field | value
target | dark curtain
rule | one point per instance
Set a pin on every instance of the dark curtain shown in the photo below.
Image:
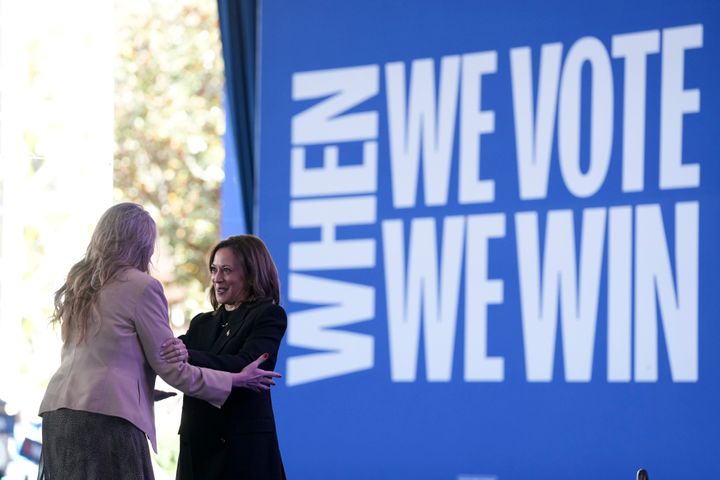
(237, 31)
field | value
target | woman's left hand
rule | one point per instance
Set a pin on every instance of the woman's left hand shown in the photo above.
(173, 350)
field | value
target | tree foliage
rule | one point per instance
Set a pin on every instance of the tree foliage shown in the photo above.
(168, 133)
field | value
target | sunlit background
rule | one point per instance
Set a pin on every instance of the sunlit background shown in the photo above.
(101, 102)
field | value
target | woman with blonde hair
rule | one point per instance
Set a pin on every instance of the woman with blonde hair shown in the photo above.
(98, 407)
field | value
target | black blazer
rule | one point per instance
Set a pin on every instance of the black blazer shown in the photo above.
(237, 441)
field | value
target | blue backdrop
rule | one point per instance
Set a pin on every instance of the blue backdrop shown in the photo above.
(495, 226)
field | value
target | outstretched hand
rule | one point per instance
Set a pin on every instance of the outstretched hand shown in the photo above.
(255, 378)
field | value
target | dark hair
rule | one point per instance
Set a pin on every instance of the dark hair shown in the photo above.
(258, 268)
(124, 237)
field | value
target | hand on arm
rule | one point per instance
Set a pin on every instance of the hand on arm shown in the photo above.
(173, 350)
(265, 337)
(152, 327)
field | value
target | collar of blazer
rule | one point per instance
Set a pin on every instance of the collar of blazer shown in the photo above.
(236, 319)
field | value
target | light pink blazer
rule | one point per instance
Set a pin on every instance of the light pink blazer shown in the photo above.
(113, 371)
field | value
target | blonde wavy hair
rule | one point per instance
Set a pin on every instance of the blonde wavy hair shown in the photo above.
(123, 238)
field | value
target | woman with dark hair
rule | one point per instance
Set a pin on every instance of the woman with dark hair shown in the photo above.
(98, 407)
(237, 441)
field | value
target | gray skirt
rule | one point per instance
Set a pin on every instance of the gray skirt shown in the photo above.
(78, 445)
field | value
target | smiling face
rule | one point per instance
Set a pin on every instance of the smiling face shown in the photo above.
(227, 279)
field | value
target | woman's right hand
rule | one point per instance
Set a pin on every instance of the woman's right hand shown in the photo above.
(173, 350)
(255, 378)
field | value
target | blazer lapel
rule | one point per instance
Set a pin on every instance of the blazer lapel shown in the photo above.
(233, 327)
(207, 334)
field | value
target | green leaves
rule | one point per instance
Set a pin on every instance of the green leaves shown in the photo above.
(168, 133)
